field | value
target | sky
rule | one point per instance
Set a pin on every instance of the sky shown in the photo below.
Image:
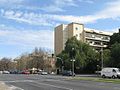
(26, 24)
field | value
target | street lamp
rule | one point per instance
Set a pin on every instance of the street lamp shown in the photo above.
(73, 60)
(102, 64)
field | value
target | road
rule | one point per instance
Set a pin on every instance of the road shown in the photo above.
(53, 82)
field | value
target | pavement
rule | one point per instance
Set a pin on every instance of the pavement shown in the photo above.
(51, 82)
(3, 86)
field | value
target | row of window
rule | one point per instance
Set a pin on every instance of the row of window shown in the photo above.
(96, 42)
(97, 36)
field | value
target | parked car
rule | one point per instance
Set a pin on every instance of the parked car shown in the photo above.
(1, 72)
(110, 72)
(68, 73)
(44, 73)
(13, 72)
(52, 73)
(6, 72)
(25, 72)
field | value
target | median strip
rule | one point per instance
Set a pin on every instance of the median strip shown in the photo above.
(96, 79)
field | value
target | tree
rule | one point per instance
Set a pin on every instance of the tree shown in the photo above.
(114, 46)
(37, 59)
(5, 64)
(64, 57)
(106, 57)
(115, 55)
(115, 38)
(84, 55)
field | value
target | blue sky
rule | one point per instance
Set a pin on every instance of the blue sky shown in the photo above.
(26, 24)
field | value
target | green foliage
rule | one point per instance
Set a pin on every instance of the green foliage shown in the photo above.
(106, 57)
(115, 55)
(115, 38)
(114, 50)
(83, 54)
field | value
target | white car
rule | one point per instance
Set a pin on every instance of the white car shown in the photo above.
(6, 72)
(44, 73)
(1, 72)
(110, 72)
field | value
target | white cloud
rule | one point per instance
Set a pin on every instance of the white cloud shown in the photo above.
(27, 38)
(11, 1)
(45, 19)
(58, 5)
(112, 11)
(87, 1)
(30, 18)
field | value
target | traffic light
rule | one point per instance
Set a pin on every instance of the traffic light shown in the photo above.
(52, 55)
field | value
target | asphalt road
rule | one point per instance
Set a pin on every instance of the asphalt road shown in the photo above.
(53, 82)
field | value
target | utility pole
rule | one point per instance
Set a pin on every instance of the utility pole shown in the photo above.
(73, 60)
(102, 64)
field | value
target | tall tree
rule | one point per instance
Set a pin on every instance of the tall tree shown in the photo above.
(5, 64)
(115, 38)
(115, 55)
(83, 54)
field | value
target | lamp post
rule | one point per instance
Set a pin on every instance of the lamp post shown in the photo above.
(102, 64)
(73, 60)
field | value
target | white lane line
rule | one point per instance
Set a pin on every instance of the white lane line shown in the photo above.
(14, 88)
(18, 81)
(37, 85)
(4, 86)
(53, 86)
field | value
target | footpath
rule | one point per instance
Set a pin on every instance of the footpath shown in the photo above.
(3, 86)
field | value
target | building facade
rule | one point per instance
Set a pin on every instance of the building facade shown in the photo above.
(95, 38)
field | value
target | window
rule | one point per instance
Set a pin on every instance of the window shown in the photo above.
(106, 38)
(97, 43)
(76, 28)
(114, 71)
(93, 36)
(91, 42)
(76, 35)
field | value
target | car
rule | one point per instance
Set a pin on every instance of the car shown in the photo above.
(1, 72)
(13, 72)
(52, 73)
(110, 72)
(44, 73)
(25, 72)
(6, 72)
(68, 73)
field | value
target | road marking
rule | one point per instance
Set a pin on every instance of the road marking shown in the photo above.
(19, 81)
(53, 86)
(14, 88)
(9, 87)
(116, 88)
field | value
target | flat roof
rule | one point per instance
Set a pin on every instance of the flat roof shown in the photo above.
(98, 31)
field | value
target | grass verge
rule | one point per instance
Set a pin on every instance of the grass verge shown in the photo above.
(97, 79)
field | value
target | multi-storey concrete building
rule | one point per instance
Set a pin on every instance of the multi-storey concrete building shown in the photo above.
(94, 38)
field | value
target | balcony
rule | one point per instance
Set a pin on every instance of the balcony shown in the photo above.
(98, 39)
(96, 45)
